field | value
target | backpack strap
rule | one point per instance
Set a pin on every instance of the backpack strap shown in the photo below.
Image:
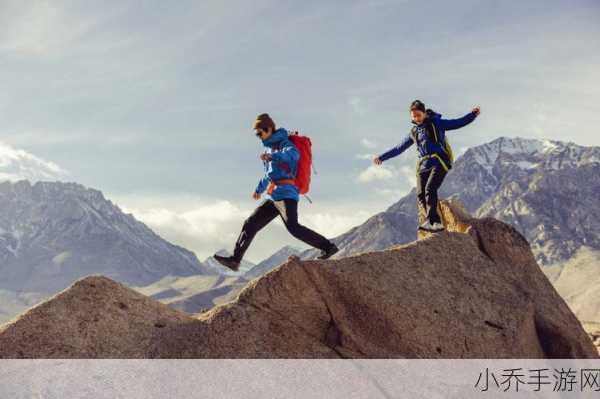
(430, 126)
(413, 134)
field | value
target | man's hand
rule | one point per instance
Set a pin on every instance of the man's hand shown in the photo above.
(477, 110)
(266, 157)
(377, 161)
(256, 196)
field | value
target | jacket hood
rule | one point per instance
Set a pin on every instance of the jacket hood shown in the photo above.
(277, 137)
(433, 115)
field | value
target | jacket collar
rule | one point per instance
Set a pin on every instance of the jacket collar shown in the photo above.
(276, 138)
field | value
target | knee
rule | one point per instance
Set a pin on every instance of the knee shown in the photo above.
(429, 191)
(293, 228)
(249, 224)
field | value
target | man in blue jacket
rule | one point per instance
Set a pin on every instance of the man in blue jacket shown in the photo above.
(280, 160)
(435, 158)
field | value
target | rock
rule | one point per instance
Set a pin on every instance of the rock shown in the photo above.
(453, 214)
(474, 291)
(593, 330)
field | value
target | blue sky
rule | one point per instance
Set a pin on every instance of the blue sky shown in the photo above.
(152, 101)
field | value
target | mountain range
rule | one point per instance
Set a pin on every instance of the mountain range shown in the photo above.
(52, 233)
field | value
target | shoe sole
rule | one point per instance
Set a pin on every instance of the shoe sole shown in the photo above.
(235, 269)
(329, 256)
(430, 230)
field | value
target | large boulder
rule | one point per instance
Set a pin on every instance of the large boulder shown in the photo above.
(474, 291)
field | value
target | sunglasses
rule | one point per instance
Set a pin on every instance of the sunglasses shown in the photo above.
(259, 133)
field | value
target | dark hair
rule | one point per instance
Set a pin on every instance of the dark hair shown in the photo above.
(417, 105)
(264, 122)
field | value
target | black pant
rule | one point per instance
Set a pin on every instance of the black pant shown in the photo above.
(265, 213)
(428, 183)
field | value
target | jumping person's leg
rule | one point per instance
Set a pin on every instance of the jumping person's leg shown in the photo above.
(264, 214)
(436, 177)
(289, 214)
(422, 178)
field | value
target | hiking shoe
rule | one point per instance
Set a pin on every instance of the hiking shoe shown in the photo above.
(431, 227)
(228, 261)
(435, 227)
(332, 250)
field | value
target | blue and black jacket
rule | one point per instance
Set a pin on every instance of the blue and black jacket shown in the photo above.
(430, 137)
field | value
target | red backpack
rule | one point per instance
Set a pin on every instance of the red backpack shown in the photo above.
(304, 146)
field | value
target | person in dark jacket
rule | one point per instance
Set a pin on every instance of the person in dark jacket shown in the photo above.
(429, 134)
(281, 162)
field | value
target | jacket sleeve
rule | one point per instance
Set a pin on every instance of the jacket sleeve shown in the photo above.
(288, 154)
(452, 124)
(399, 149)
(262, 184)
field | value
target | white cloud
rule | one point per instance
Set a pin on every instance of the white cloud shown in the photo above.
(209, 225)
(368, 143)
(358, 105)
(203, 228)
(20, 165)
(365, 157)
(408, 172)
(393, 193)
(333, 224)
(376, 172)
(37, 28)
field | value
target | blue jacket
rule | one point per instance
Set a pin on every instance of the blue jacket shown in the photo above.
(283, 165)
(425, 145)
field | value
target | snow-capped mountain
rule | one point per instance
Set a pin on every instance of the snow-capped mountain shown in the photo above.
(548, 190)
(54, 233)
(20, 165)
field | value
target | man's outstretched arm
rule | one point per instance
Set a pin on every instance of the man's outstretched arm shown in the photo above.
(397, 150)
(452, 124)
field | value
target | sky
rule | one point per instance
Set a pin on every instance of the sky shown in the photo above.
(152, 102)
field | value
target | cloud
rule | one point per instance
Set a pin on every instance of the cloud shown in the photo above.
(37, 28)
(408, 172)
(367, 143)
(392, 193)
(358, 105)
(20, 165)
(206, 226)
(364, 157)
(376, 172)
(333, 224)
(212, 224)
(204, 229)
